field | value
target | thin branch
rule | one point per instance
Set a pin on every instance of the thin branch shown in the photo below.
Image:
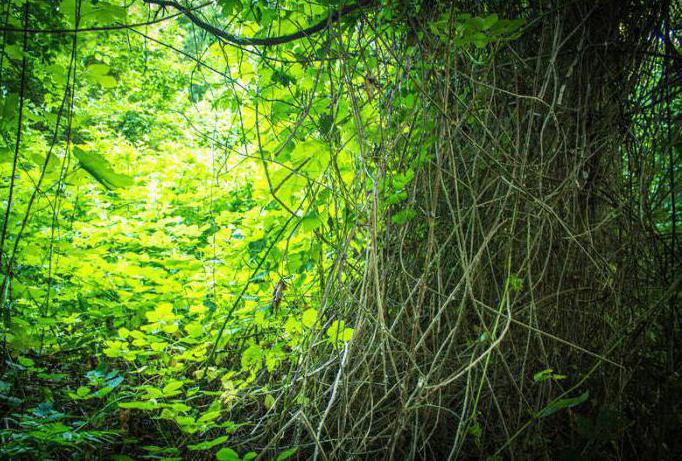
(266, 41)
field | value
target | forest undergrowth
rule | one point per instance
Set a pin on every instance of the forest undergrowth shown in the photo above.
(292, 229)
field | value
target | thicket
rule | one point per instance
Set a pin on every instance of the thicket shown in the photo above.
(336, 230)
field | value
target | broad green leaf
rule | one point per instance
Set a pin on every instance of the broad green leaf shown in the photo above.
(194, 329)
(207, 445)
(140, 405)
(227, 454)
(309, 318)
(252, 358)
(82, 391)
(269, 401)
(230, 6)
(25, 362)
(99, 168)
(338, 332)
(99, 73)
(547, 374)
(209, 416)
(543, 375)
(515, 282)
(162, 313)
(172, 388)
(310, 222)
(403, 216)
(561, 404)
(489, 21)
(6, 155)
(158, 346)
(180, 407)
(286, 454)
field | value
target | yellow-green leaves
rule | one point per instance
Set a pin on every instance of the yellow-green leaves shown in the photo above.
(515, 282)
(310, 222)
(118, 349)
(162, 318)
(338, 333)
(252, 358)
(208, 444)
(140, 405)
(99, 168)
(162, 313)
(269, 401)
(99, 73)
(194, 329)
(309, 318)
(149, 274)
(547, 375)
(227, 454)
(476, 30)
(403, 216)
(286, 454)
(83, 392)
(92, 13)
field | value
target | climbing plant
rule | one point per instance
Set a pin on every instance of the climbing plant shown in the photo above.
(243, 229)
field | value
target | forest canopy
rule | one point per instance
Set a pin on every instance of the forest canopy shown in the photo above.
(338, 229)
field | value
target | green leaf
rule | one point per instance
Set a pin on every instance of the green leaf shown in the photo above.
(25, 362)
(194, 329)
(99, 73)
(252, 358)
(172, 388)
(310, 222)
(209, 416)
(162, 313)
(561, 404)
(309, 318)
(547, 374)
(140, 405)
(82, 391)
(106, 13)
(489, 21)
(6, 155)
(99, 168)
(403, 216)
(515, 282)
(230, 6)
(227, 454)
(480, 40)
(208, 444)
(286, 454)
(338, 332)
(543, 375)
(269, 401)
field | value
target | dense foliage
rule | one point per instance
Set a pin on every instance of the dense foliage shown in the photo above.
(283, 229)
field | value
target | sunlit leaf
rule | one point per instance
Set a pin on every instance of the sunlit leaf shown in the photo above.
(140, 405)
(286, 454)
(227, 454)
(99, 168)
(309, 318)
(208, 444)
